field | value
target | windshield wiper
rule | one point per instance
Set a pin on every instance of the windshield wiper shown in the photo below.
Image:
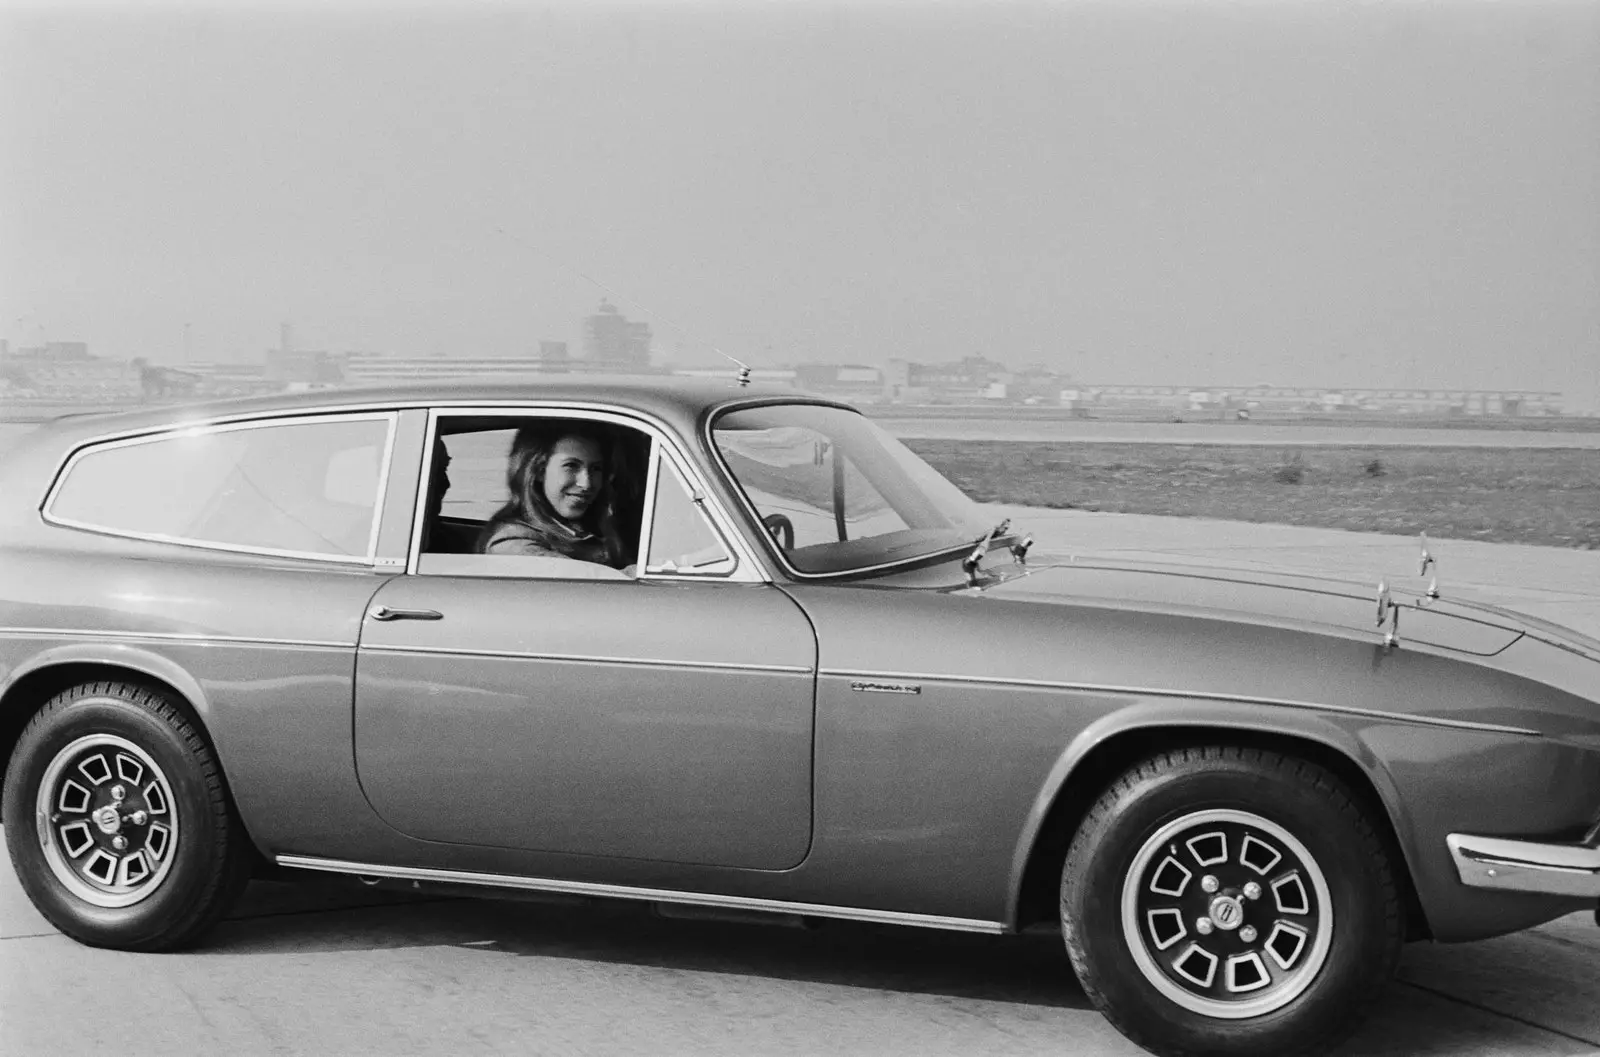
(1019, 551)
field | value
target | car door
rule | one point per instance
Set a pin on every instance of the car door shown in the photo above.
(558, 706)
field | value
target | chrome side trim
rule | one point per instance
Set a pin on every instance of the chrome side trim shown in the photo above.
(579, 658)
(172, 636)
(1526, 866)
(353, 561)
(1198, 695)
(655, 895)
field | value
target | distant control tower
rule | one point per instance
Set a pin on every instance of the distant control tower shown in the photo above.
(609, 337)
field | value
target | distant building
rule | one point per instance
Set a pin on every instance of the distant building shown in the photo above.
(55, 351)
(861, 383)
(1035, 384)
(13, 379)
(610, 337)
(63, 371)
(897, 387)
(972, 379)
(553, 351)
(975, 379)
(1316, 400)
(159, 383)
(73, 380)
(289, 367)
(372, 368)
(730, 373)
(222, 379)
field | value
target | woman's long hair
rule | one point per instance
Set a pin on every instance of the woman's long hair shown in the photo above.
(525, 469)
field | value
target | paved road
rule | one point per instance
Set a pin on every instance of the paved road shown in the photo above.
(336, 969)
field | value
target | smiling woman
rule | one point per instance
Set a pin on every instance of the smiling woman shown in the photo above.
(561, 498)
(561, 491)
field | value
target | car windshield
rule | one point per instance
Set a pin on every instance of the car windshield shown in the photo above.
(837, 493)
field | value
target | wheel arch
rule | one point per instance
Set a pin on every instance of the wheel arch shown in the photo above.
(1104, 751)
(27, 688)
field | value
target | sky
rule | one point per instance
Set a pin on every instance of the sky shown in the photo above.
(1289, 192)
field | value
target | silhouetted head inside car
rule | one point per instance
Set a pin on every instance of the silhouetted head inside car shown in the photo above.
(439, 535)
(438, 479)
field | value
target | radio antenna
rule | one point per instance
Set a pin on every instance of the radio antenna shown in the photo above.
(744, 368)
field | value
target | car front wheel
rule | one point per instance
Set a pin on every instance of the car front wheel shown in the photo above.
(118, 822)
(1228, 901)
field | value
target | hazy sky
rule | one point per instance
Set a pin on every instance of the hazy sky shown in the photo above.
(1318, 192)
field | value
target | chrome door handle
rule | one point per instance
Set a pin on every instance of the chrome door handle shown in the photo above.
(385, 613)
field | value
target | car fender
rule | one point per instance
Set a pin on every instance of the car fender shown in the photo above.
(1329, 729)
(113, 654)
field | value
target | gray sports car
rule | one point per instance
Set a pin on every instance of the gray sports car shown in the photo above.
(702, 644)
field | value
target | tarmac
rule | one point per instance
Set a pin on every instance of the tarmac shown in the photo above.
(334, 969)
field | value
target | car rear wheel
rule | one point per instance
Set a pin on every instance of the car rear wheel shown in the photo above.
(1228, 901)
(118, 821)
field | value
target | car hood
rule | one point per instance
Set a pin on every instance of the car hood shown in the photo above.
(1272, 598)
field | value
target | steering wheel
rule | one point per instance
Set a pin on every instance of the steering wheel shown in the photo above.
(781, 529)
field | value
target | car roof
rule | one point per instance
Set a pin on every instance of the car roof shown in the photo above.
(676, 400)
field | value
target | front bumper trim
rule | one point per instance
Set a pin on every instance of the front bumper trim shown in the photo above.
(1527, 866)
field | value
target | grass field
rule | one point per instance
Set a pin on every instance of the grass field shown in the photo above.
(1501, 495)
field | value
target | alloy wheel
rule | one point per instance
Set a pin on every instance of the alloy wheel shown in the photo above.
(107, 820)
(1226, 913)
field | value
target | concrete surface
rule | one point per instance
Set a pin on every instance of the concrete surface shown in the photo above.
(331, 968)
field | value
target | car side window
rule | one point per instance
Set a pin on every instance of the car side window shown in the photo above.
(509, 503)
(308, 487)
(682, 539)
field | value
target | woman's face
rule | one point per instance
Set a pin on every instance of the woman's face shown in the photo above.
(572, 476)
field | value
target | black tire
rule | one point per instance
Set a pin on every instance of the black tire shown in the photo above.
(1320, 924)
(118, 820)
